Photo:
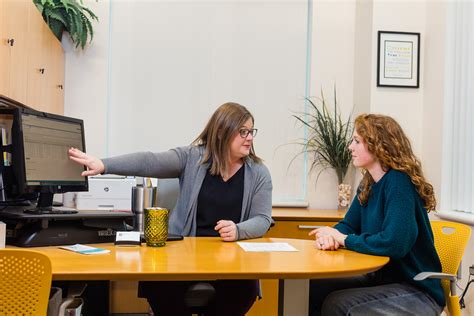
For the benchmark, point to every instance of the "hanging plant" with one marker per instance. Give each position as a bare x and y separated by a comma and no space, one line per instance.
70,16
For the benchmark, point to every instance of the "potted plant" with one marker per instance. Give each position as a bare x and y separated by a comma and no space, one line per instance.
329,137
70,16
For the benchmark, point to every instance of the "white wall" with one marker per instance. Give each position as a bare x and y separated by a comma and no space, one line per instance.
344,52
334,61
188,73
403,104
332,64
86,82
432,131
173,62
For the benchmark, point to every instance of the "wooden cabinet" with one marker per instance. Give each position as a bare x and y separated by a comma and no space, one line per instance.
124,299
294,223
295,229
37,73
56,77
31,58
14,48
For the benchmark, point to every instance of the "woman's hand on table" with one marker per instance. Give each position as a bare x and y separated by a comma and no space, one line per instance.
227,230
328,238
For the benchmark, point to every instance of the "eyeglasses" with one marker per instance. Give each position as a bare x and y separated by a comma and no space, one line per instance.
244,132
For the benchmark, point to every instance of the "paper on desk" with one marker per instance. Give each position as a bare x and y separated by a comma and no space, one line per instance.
85,250
266,246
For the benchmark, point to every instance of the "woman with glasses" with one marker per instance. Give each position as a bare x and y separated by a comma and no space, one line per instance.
225,191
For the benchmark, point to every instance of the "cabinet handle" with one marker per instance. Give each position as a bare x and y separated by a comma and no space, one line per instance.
11,41
60,86
41,70
308,226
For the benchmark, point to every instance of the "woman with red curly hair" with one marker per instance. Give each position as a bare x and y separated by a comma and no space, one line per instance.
388,217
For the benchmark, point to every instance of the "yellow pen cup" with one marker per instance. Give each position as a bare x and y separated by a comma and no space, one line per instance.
156,226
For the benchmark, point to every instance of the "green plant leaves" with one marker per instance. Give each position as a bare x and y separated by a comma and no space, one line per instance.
70,16
329,136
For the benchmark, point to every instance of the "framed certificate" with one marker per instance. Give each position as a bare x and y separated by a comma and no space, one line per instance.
398,59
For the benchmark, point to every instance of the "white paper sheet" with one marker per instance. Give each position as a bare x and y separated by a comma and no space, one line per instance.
266,246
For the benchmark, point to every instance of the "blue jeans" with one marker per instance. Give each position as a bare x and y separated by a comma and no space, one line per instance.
365,296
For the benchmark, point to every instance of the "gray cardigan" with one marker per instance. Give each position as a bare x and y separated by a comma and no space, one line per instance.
185,163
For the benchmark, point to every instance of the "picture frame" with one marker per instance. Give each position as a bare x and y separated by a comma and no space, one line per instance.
398,59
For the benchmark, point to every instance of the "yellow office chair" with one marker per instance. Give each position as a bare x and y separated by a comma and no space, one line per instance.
25,282
450,240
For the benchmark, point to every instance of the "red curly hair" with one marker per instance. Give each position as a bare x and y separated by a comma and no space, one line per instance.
389,144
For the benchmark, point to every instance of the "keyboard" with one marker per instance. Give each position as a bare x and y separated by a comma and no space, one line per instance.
48,212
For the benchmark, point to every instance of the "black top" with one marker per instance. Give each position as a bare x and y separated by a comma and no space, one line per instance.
219,200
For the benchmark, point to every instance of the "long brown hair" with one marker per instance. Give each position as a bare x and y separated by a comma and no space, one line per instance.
223,125
389,144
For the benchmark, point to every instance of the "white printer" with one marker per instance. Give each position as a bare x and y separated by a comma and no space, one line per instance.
107,193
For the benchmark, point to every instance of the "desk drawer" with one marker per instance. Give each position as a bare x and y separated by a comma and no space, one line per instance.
295,229
124,298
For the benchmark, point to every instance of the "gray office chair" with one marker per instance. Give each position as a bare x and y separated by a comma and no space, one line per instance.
168,191
199,295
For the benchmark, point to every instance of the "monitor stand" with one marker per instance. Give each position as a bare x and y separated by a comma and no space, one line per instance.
45,206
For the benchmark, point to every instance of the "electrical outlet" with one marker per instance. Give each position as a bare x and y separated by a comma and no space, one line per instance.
471,270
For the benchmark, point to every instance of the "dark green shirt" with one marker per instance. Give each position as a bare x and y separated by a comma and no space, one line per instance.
394,223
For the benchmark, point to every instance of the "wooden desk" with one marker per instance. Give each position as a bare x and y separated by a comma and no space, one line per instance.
289,223
209,258
296,214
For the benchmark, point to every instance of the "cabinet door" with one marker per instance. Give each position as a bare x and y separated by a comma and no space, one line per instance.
295,229
55,65
38,44
4,53
124,298
268,305
13,48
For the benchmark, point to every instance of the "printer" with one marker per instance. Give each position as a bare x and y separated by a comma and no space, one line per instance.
107,193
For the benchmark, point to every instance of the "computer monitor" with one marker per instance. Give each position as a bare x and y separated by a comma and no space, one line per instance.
40,142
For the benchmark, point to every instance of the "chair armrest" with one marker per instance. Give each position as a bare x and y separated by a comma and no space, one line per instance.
438,275
434,275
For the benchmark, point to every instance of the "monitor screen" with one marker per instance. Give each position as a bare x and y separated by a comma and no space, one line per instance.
46,142
40,159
